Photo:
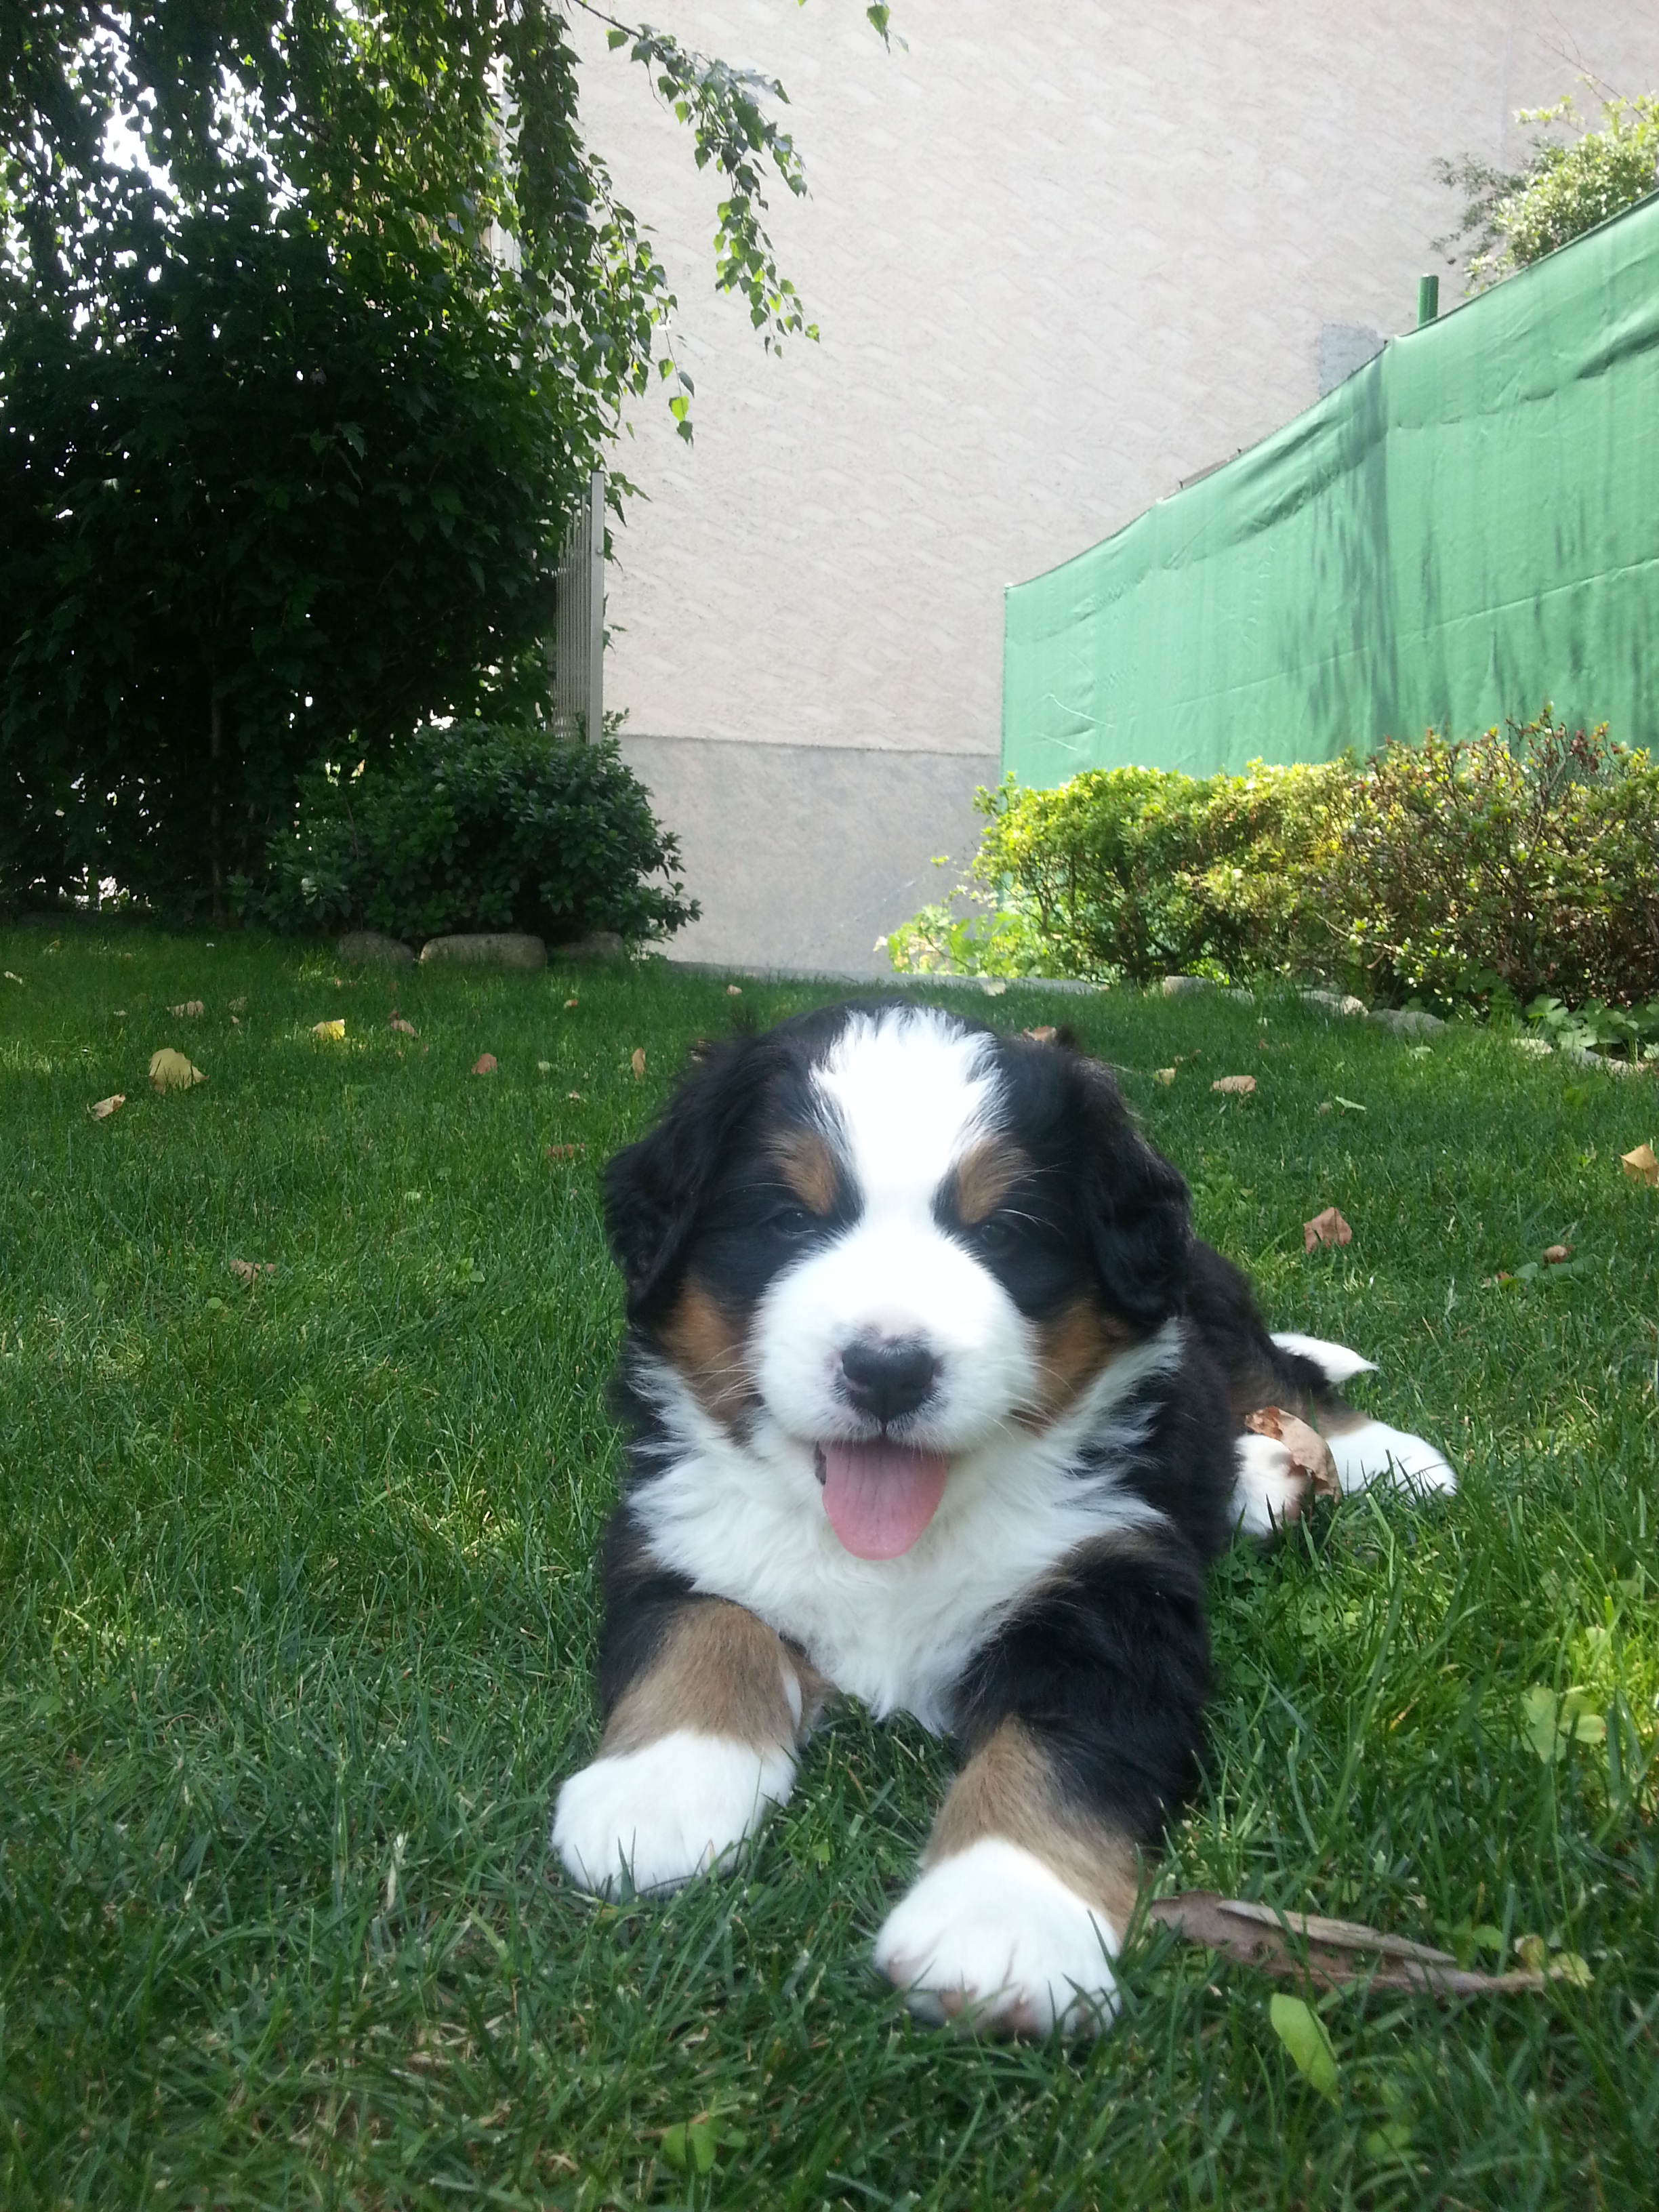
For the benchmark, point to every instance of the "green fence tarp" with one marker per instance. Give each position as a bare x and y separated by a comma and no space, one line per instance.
1467,526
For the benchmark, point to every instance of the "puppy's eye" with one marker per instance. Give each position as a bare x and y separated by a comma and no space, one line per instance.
791,1221
995,1234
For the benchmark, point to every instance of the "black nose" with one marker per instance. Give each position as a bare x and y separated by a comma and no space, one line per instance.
887,1376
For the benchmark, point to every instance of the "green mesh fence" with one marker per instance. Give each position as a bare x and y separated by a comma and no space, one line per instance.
1468,525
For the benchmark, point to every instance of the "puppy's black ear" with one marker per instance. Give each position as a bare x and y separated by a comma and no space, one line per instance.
1134,1203
653,1189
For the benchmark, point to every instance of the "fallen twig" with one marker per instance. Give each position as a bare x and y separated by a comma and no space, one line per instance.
1298,1946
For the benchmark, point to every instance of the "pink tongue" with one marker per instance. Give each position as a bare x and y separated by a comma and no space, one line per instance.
880,1497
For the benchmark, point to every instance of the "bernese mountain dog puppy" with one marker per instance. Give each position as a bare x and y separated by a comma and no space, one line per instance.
937,1402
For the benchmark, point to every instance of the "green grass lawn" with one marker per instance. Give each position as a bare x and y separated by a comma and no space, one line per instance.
297,1617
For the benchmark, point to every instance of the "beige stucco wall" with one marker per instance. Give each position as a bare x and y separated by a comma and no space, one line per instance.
1061,256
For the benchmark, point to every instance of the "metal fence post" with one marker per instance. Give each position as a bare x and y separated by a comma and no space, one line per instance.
579,622
596,606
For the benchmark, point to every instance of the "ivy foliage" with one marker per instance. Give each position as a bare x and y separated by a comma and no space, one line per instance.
1566,187
1483,873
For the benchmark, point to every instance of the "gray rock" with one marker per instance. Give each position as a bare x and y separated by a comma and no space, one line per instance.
371,947
1406,1021
1333,1002
1582,1056
604,949
1181,987
494,948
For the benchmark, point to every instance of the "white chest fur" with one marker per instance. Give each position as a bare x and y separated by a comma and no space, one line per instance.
747,1522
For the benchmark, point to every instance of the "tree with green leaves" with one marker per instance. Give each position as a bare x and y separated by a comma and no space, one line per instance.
314,315
1512,217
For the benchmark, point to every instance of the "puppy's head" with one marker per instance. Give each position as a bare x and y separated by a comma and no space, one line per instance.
891,1234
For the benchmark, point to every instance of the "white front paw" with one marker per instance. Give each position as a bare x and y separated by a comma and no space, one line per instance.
993,1939
1269,1490
670,1809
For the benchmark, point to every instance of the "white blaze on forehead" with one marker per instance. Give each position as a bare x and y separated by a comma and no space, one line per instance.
910,1092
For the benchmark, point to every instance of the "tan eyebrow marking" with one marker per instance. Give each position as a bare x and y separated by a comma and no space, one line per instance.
808,1166
984,1175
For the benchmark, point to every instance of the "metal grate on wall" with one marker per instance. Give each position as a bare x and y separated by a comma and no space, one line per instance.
579,622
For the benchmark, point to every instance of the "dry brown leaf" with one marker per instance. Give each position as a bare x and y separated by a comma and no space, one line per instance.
1240,1086
171,1070
238,1005
402,1028
563,1151
1326,1228
1555,1253
485,1064
1164,1074
187,1008
1045,1034
568,1004
251,1270
1642,1165
636,1060
330,1032
1292,1945
575,1095
734,990
104,1106
1309,1453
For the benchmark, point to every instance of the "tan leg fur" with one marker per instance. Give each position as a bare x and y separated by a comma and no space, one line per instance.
1008,1788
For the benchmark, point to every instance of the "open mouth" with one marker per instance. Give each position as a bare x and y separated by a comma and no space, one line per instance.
879,1496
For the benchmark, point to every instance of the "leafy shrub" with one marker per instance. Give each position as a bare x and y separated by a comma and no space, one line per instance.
478,826
1624,1032
1514,218
1515,867
1134,872
1462,873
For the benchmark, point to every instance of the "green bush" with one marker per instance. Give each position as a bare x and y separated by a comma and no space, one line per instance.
1511,866
1137,872
476,827
1520,863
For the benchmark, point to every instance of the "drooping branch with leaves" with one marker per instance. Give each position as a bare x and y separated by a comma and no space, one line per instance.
1564,188
313,318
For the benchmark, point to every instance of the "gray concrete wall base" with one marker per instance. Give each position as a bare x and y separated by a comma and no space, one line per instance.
801,856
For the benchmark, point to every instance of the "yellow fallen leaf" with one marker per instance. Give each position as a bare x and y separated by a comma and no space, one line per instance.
330,1032
1642,1165
186,1008
1164,1074
171,1070
1240,1086
637,1061
106,1107
735,990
